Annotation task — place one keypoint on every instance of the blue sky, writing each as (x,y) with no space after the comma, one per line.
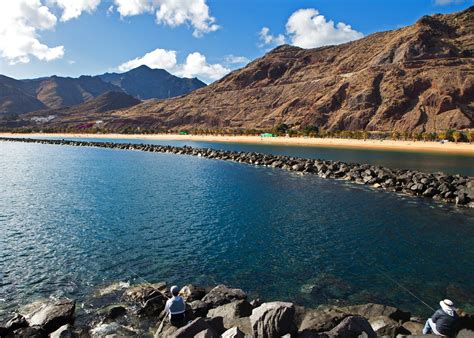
(202,38)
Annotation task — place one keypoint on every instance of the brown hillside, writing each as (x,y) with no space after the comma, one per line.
(420,77)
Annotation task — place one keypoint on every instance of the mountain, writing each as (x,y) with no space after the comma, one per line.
(420,77)
(13,100)
(146,83)
(23,96)
(88,113)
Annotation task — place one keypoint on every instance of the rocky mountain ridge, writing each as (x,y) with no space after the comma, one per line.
(23,96)
(417,78)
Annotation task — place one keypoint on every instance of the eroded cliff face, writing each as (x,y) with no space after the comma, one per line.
(417,78)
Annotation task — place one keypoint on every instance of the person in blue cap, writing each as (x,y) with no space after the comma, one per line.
(176,307)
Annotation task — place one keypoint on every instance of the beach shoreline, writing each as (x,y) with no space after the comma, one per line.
(383,145)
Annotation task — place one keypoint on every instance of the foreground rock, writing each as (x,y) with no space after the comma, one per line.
(455,189)
(273,319)
(234,317)
(51,315)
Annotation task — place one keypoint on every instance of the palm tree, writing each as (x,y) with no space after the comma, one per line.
(456,136)
(470,136)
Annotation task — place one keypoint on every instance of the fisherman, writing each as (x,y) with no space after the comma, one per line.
(443,321)
(176,307)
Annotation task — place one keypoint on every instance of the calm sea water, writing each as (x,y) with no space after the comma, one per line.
(72,219)
(423,161)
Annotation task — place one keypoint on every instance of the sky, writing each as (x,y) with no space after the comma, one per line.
(189,38)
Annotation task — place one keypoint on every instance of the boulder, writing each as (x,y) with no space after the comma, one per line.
(191,329)
(233,332)
(208,333)
(231,312)
(221,295)
(112,329)
(273,319)
(315,321)
(385,326)
(352,326)
(51,315)
(65,331)
(372,310)
(30,332)
(16,322)
(192,292)
(199,308)
(413,327)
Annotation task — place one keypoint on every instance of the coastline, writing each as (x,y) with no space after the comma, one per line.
(385,145)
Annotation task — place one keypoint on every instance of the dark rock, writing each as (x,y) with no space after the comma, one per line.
(371,310)
(231,312)
(315,321)
(352,326)
(221,295)
(273,319)
(199,308)
(16,322)
(51,315)
(191,329)
(30,332)
(208,333)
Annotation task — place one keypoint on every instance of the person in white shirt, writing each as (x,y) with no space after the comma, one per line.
(176,307)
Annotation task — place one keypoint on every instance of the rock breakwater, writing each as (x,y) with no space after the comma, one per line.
(124,310)
(453,189)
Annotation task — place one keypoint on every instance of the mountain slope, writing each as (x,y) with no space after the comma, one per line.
(146,83)
(13,100)
(420,77)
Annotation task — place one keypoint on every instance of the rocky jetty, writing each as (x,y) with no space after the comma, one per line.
(121,310)
(454,189)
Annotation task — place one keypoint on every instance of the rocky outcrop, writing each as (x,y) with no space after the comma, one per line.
(441,187)
(221,295)
(273,319)
(237,318)
(352,326)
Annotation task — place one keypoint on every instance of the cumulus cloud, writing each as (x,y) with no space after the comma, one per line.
(234,59)
(20,21)
(268,39)
(195,65)
(72,9)
(308,29)
(194,13)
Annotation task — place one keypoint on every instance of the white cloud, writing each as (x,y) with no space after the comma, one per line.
(234,59)
(195,65)
(447,2)
(173,13)
(20,21)
(308,29)
(268,39)
(159,58)
(72,9)
(133,7)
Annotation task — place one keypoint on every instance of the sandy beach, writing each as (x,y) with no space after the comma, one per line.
(391,145)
